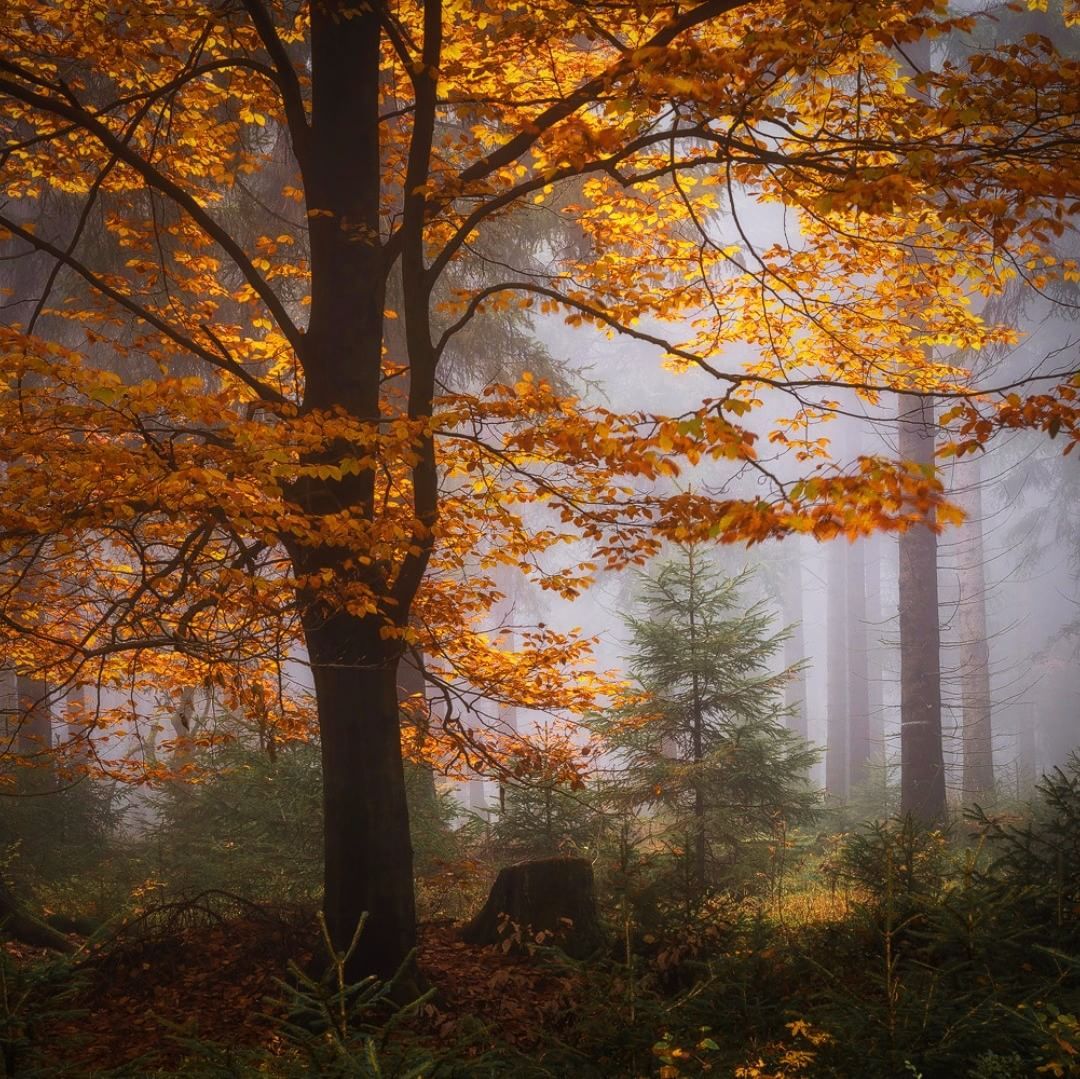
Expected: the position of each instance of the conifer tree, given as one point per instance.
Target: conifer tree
(544, 820)
(707, 746)
(548, 814)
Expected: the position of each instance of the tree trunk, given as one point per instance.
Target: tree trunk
(19, 924)
(922, 771)
(875, 660)
(368, 854)
(36, 772)
(697, 732)
(795, 645)
(412, 685)
(858, 680)
(836, 771)
(1027, 750)
(978, 781)
(368, 867)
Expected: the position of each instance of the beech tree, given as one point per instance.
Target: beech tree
(288, 471)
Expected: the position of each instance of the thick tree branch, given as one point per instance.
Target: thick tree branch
(792, 385)
(417, 309)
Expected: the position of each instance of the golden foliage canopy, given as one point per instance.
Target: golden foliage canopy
(180, 482)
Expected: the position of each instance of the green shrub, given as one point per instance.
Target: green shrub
(253, 826)
(64, 848)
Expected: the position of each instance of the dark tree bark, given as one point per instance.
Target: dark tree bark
(368, 854)
(922, 771)
(554, 895)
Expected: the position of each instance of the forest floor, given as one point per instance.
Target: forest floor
(147, 995)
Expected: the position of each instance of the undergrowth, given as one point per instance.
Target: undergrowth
(888, 952)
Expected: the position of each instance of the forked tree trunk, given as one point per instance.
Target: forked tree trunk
(368, 855)
(922, 770)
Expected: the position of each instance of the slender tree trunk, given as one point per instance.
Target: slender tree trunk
(795, 645)
(922, 771)
(697, 734)
(858, 680)
(412, 685)
(478, 797)
(699, 796)
(978, 781)
(508, 714)
(836, 740)
(1027, 754)
(875, 660)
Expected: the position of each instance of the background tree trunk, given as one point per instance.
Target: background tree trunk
(875, 650)
(412, 685)
(1027, 748)
(795, 645)
(697, 734)
(836, 739)
(858, 672)
(34, 741)
(978, 773)
(922, 771)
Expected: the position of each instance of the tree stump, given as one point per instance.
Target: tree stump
(549, 895)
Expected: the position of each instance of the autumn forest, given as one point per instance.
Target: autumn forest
(540, 538)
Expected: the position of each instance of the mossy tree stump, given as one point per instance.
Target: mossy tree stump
(549, 895)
